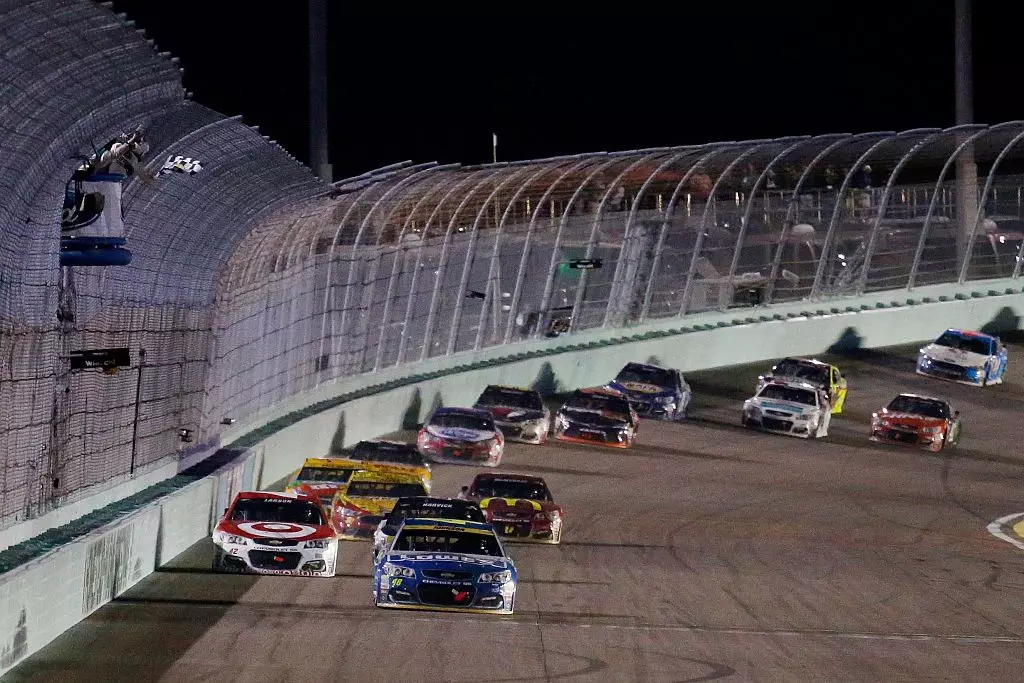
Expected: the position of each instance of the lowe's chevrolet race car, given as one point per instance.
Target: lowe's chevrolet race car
(275, 533)
(654, 392)
(462, 435)
(519, 413)
(965, 357)
(447, 565)
(422, 507)
(789, 407)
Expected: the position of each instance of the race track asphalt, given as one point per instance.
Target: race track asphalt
(707, 552)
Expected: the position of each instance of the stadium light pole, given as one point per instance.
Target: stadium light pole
(318, 154)
(966, 168)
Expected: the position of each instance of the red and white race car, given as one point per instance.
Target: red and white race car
(519, 506)
(462, 435)
(275, 533)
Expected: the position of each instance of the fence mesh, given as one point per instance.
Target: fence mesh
(251, 281)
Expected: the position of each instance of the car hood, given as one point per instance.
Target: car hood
(641, 389)
(513, 414)
(771, 375)
(784, 406)
(450, 561)
(316, 489)
(910, 419)
(459, 434)
(373, 506)
(595, 419)
(956, 356)
(274, 531)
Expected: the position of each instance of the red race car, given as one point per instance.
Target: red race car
(919, 420)
(520, 507)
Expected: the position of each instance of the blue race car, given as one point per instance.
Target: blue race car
(448, 565)
(965, 357)
(655, 392)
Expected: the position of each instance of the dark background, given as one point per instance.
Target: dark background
(432, 86)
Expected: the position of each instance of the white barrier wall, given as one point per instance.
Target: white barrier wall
(49, 594)
(42, 599)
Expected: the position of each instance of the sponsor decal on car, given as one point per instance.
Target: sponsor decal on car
(277, 529)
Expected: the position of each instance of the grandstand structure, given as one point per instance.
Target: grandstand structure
(253, 281)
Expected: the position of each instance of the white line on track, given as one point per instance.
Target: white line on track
(996, 529)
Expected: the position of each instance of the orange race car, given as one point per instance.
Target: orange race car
(919, 420)
(597, 416)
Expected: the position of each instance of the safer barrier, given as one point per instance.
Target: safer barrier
(105, 554)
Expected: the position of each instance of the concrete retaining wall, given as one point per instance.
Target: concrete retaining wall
(48, 595)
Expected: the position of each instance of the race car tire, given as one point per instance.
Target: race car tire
(218, 561)
(556, 531)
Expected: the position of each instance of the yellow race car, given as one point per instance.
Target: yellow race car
(320, 478)
(367, 497)
(815, 372)
(396, 456)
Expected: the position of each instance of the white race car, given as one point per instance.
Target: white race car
(789, 407)
(264, 532)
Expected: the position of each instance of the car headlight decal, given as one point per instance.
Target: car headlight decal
(496, 577)
(320, 543)
(397, 570)
(231, 539)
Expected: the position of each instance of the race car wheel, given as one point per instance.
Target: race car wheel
(556, 530)
(218, 561)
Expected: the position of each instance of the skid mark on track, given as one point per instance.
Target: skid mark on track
(620, 622)
(662, 451)
(547, 469)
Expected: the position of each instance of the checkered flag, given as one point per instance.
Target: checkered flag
(180, 164)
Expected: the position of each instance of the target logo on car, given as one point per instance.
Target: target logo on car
(278, 529)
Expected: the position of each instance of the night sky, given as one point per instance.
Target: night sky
(432, 86)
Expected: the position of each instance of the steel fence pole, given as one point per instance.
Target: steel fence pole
(699, 242)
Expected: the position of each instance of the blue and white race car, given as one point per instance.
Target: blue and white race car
(965, 357)
(448, 565)
(653, 391)
(462, 435)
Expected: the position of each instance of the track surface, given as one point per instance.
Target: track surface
(706, 553)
